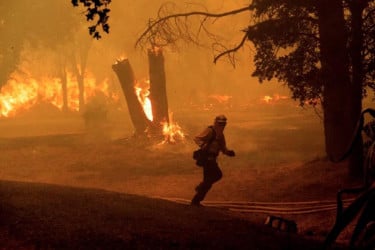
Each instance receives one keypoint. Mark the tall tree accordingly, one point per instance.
(339, 69)
(341, 98)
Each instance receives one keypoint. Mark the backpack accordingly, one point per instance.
(201, 155)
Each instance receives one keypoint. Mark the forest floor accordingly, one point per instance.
(90, 191)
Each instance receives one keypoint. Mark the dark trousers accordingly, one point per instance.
(211, 174)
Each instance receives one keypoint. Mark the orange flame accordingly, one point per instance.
(142, 92)
(267, 99)
(18, 95)
(172, 132)
(276, 97)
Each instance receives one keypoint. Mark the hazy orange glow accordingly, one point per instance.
(142, 91)
(19, 95)
(221, 98)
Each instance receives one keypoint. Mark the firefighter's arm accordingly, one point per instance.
(227, 151)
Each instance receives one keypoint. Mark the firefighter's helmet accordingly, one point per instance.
(221, 120)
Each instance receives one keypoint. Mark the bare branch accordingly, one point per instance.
(233, 50)
(162, 20)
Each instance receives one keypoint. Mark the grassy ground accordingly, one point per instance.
(279, 159)
(40, 216)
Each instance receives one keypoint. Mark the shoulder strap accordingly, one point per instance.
(213, 137)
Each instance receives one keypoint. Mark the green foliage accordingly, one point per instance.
(96, 9)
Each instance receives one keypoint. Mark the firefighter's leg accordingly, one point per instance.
(211, 174)
(202, 190)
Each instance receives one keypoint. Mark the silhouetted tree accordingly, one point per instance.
(336, 75)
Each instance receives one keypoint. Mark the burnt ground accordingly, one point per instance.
(90, 191)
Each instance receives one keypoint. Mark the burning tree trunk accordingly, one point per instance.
(158, 92)
(79, 68)
(81, 89)
(126, 77)
(64, 86)
(62, 64)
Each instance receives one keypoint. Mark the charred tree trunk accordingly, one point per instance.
(64, 83)
(79, 58)
(81, 89)
(158, 90)
(340, 95)
(79, 74)
(64, 88)
(126, 77)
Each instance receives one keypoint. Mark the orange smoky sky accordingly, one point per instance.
(192, 77)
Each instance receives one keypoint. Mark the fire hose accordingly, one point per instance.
(292, 208)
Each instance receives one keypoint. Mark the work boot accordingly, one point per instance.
(195, 202)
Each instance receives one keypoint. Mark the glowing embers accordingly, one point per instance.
(22, 94)
(142, 91)
(272, 99)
